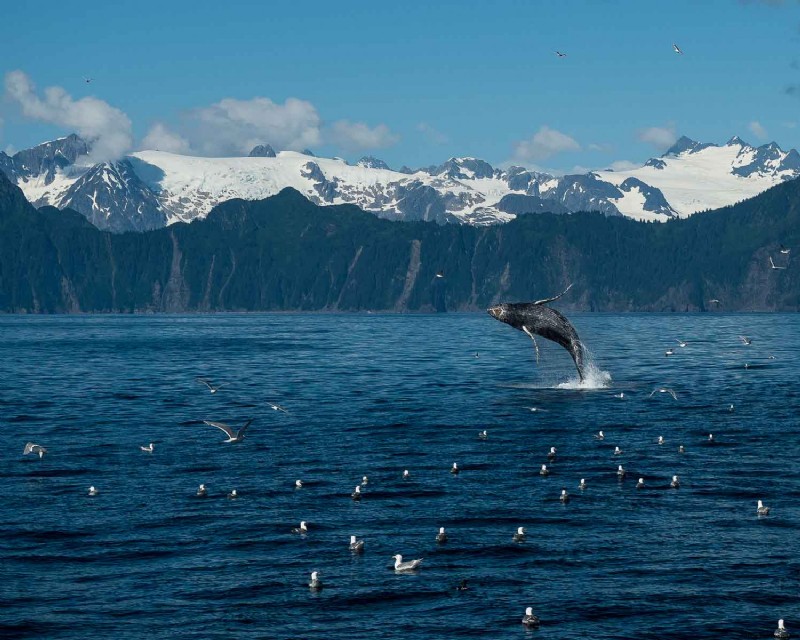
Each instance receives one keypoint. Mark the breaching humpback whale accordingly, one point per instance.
(536, 319)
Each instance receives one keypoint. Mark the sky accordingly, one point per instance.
(412, 83)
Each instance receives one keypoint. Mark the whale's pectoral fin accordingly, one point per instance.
(554, 298)
(532, 337)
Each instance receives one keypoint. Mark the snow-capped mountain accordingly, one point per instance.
(149, 189)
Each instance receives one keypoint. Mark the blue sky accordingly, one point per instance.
(411, 83)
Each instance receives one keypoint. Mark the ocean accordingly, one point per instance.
(375, 394)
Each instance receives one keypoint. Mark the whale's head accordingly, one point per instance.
(499, 311)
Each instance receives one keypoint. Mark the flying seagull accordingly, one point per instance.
(148, 449)
(745, 340)
(233, 436)
(681, 343)
(561, 55)
(34, 448)
(88, 80)
(714, 301)
(212, 388)
(663, 390)
(785, 250)
(772, 264)
(277, 407)
(677, 49)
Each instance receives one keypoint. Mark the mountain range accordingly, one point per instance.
(286, 253)
(153, 189)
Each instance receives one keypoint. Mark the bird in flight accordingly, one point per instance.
(212, 388)
(88, 80)
(713, 301)
(772, 264)
(663, 390)
(785, 250)
(233, 436)
(681, 343)
(561, 55)
(34, 448)
(745, 340)
(277, 407)
(677, 49)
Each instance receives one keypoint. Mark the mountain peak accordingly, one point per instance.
(736, 140)
(262, 151)
(371, 162)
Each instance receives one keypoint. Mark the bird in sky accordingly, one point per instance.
(561, 55)
(88, 80)
(677, 49)
(745, 340)
(233, 436)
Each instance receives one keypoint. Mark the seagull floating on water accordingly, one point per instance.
(233, 436)
(564, 496)
(302, 529)
(582, 484)
(675, 482)
(148, 449)
(411, 565)
(781, 631)
(35, 449)
(211, 387)
(356, 545)
(761, 509)
(599, 436)
(364, 481)
(356, 495)
(663, 390)
(519, 536)
(483, 435)
(201, 491)
(640, 484)
(92, 491)
(233, 495)
(544, 471)
(298, 484)
(551, 455)
(406, 474)
(620, 472)
(620, 395)
(660, 439)
(617, 451)
(711, 437)
(681, 449)
(530, 620)
(669, 352)
(316, 583)
(454, 469)
(441, 537)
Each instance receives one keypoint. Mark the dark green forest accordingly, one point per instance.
(285, 253)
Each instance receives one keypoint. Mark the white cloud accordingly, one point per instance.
(432, 134)
(546, 142)
(161, 138)
(605, 146)
(105, 128)
(659, 137)
(234, 127)
(357, 136)
(624, 165)
(758, 130)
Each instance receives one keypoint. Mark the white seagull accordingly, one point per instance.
(212, 388)
(441, 537)
(551, 455)
(411, 565)
(34, 448)
(675, 482)
(620, 472)
(785, 250)
(617, 451)
(660, 439)
(233, 436)
(92, 491)
(277, 407)
(454, 469)
(681, 449)
(640, 484)
(316, 583)
(519, 536)
(302, 529)
(233, 494)
(681, 343)
(530, 620)
(669, 352)
(356, 495)
(745, 340)
(406, 474)
(620, 395)
(761, 509)
(148, 449)
(544, 471)
(201, 491)
(781, 631)
(677, 49)
(356, 545)
(582, 484)
(364, 481)
(564, 496)
(663, 390)
(599, 436)
(483, 435)
(773, 265)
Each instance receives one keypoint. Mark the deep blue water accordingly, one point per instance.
(373, 395)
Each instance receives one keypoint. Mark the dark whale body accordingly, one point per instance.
(536, 319)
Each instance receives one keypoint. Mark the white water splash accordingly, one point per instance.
(594, 378)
